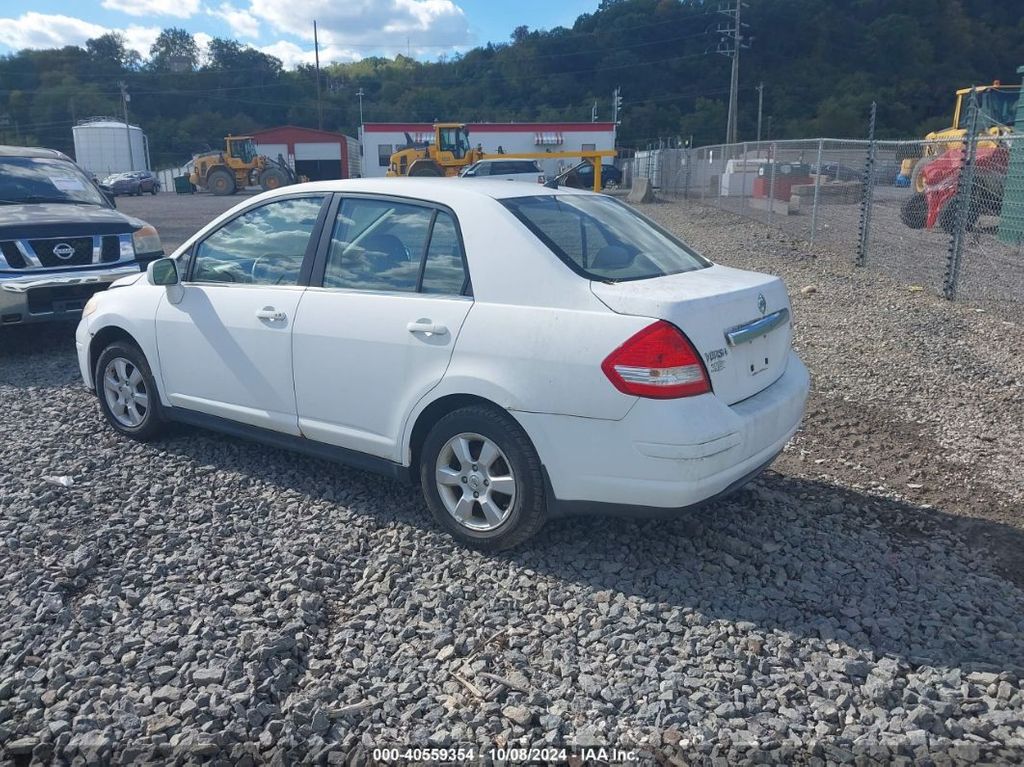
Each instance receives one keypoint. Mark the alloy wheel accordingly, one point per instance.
(475, 482)
(125, 392)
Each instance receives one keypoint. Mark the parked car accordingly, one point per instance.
(61, 240)
(121, 183)
(148, 181)
(520, 352)
(509, 170)
(582, 176)
(884, 174)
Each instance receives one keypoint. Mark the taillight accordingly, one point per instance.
(658, 362)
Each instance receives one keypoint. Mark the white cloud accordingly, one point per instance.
(242, 23)
(140, 39)
(369, 23)
(41, 30)
(291, 55)
(180, 8)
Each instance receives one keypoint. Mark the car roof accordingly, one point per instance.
(447, 191)
(7, 150)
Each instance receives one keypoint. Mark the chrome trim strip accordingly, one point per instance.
(97, 249)
(742, 334)
(22, 284)
(29, 254)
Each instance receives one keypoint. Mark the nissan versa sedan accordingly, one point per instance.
(520, 352)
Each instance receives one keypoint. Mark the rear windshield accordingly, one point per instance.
(602, 239)
(45, 179)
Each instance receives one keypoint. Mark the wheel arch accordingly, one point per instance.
(433, 413)
(103, 338)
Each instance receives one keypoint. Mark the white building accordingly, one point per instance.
(379, 140)
(104, 146)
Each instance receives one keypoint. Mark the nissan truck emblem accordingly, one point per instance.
(762, 305)
(63, 250)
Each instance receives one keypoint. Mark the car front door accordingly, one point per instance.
(376, 328)
(225, 347)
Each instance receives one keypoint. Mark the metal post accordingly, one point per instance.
(962, 201)
(817, 187)
(743, 179)
(125, 98)
(867, 193)
(771, 184)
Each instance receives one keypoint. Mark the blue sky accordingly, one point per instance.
(349, 29)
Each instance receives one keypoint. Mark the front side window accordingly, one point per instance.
(263, 246)
(602, 239)
(382, 245)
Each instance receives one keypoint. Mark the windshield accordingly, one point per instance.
(45, 179)
(602, 239)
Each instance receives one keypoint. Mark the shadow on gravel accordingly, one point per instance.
(801, 556)
(48, 348)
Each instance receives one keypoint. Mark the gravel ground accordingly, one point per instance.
(203, 597)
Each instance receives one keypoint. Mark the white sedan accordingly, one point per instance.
(519, 352)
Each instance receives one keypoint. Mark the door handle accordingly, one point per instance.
(426, 326)
(271, 314)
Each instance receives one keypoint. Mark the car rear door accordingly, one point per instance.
(376, 328)
(226, 345)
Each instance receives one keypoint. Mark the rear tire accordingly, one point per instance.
(914, 212)
(496, 453)
(220, 182)
(127, 392)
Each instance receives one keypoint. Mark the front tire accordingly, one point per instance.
(127, 392)
(914, 211)
(220, 182)
(482, 479)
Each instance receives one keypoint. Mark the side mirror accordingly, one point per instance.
(109, 197)
(163, 271)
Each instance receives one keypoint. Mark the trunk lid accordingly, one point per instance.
(708, 303)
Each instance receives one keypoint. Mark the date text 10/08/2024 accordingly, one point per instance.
(470, 754)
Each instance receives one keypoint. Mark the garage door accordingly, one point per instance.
(318, 151)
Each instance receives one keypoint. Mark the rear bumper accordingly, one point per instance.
(666, 454)
(47, 296)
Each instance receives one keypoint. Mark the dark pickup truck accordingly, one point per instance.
(61, 239)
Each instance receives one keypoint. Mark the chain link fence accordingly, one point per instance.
(946, 217)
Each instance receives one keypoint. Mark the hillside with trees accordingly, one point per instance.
(821, 61)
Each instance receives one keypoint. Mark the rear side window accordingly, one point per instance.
(391, 246)
(602, 239)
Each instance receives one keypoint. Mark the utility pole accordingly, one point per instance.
(760, 107)
(319, 102)
(125, 98)
(730, 45)
(360, 94)
(593, 112)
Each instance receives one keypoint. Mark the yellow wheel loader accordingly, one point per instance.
(447, 154)
(238, 166)
(450, 151)
(997, 105)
